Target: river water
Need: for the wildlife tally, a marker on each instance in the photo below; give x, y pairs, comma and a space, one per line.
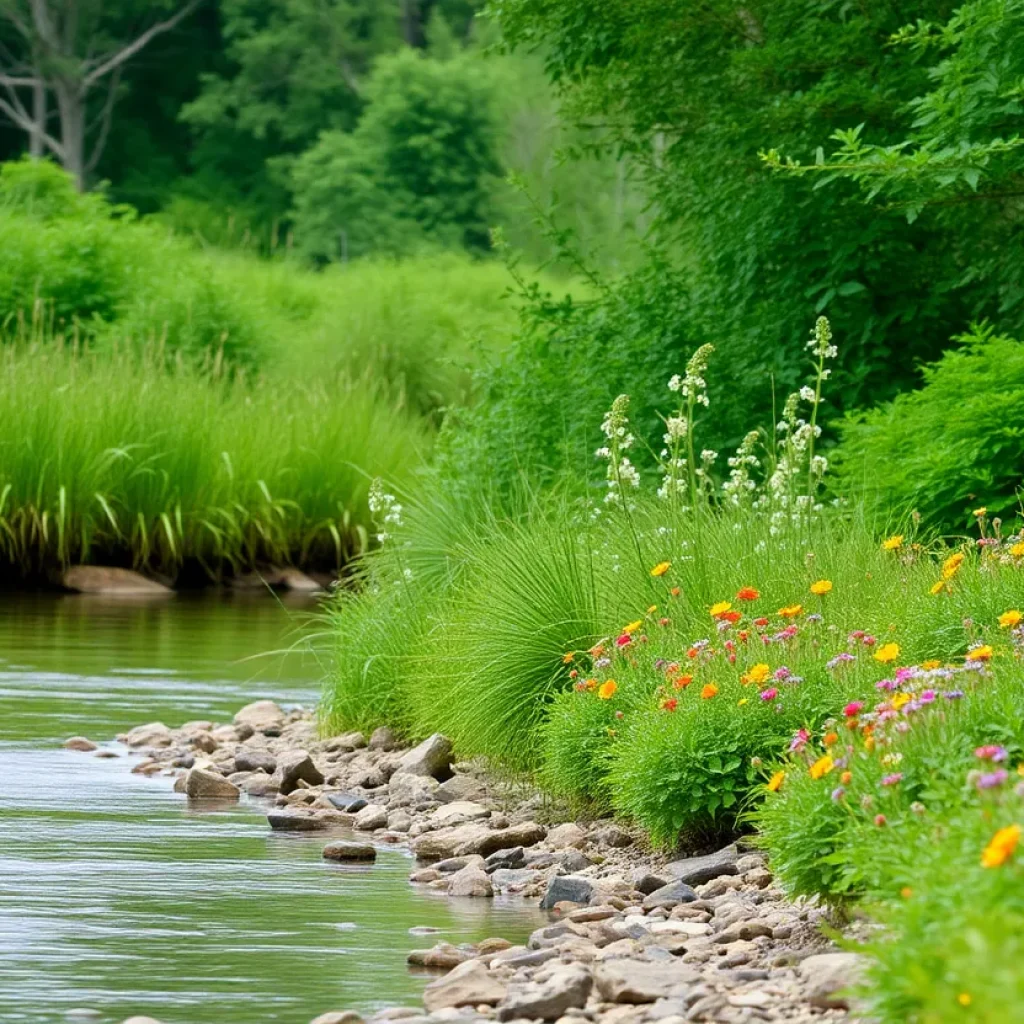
116, 897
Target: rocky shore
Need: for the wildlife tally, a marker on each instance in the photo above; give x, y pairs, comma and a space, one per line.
633, 937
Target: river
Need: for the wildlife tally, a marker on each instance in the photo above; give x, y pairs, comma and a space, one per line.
115, 897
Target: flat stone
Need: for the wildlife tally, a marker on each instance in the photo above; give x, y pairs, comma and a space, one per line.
645, 882
444, 843
698, 870
443, 956
290, 820
528, 833
827, 976
338, 1017
573, 888
566, 835
562, 988
461, 787
458, 813
255, 761
351, 802
80, 743
260, 715
514, 857
348, 851
432, 757
743, 931
670, 895
639, 981
513, 880
371, 818
471, 881
153, 734
201, 784
102, 579
297, 766
468, 984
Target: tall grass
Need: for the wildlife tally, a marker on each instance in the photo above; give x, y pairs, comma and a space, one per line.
151, 460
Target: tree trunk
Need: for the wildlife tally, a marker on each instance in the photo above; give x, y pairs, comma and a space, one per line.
36, 146
71, 107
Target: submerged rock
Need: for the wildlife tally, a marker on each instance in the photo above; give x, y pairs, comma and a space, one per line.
102, 579
80, 743
348, 851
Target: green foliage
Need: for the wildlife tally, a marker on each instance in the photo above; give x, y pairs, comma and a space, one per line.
414, 171
954, 444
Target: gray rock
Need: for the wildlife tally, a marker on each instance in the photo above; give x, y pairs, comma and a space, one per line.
743, 931
828, 976
458, 813
80, 743
469, 984
568, 834
259, 784
260, 715
697, 870
351, 802
573, 861
399, 821
201, 784
645, 882
443, 956
384, 738
296, 821
513, 880
554, 991
432, 757
614, 837
527, 833
461, 787
571, 888
405, 788
153, 734
509, 859
470, 881
255, 761
640, 981
297, 766
670, 895
518, 956
452, 864
348, 851
371, 817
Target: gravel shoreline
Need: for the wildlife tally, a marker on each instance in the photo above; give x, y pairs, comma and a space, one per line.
634, 937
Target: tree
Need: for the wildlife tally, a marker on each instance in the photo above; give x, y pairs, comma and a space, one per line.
71, 50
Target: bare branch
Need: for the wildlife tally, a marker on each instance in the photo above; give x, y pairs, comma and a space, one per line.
108, 109
13, 82
26, 124
126, 52
44, 25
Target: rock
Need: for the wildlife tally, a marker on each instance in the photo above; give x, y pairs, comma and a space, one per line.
432, 757
297, 766
697, 870
141, 1020
256, 761
614, 837
259, 784
510, 859
469, 984
444, 956
461, 787
405, 788
399, 821
371, 818
528, 833
573, 861
155, 734
201, 784
743, 930
260, 715
458, 813
495, 945
338, 1017
205, 742
296, 821
351, 802
347, 851
102, 579
470, 881
670, 895
554, 991
384, 738
298, 581
512, 879
444, 843
80, 743
827, 976
106, 753
573, 888
640, 981
567, 835
643, 881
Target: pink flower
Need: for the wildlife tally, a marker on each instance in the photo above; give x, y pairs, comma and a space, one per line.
991, 752
892, 780
770, 694
855, 707
624, 640
880, 820
799, 741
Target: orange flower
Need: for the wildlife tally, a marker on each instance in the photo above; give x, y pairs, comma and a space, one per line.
791, 611
675, 591
1001, 847
982, 653
568, 657
830, 739
846, 778
887, 653
821, 588
906, 892
747, 594
732, 617
682, 682
1010, 619
776, 781
719, 608
709, 691
661, 568
930, 664
951, 565
607, 689
822, 766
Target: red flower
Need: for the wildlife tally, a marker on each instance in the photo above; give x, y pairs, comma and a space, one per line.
670, 704
732, 617
855, 707
761, 622
623, 640
747, 594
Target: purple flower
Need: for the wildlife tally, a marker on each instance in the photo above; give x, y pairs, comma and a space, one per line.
886, 684
992, 752
815, 617
838, 793
990, 780
928, 696
838, 660
893, 779
781, 674
953, 694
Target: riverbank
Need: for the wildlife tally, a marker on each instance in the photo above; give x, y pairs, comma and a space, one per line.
633, 936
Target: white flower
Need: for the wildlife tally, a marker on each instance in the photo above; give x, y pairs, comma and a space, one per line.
807, 394
675, 383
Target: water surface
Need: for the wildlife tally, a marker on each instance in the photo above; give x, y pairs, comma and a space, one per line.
115, 896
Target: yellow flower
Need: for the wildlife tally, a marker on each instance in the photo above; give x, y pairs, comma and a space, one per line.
937, 588
900, 699
952, 564
1017, 550
758, 673
742, 701
661, 568
887, 653
791, 611
607, 689
930, 664
821, 588
632, 627
822, 766
776, 781
651, 609
983, 653
720, 608
709, 691
906, 892
964, 999
979, 512
1010, 619
567, 657
893, 543
1001, 847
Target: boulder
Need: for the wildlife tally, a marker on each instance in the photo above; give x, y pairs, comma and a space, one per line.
469, 984
201, 784
443, 956
348, 851
613, 836
472, 880
432, 758
445, 842
102, 579
404, 788
670, 895
298, 581
528, 833
205, 742
80, 743
347, 742
255, 761
371, 818
290, 820
153, 734
461, 787
399, 821
510, 859
458, 813
567, 835
260, 715
383, 738
513, 879
645, 882
555, 990
698, 870
827, 977
296, 766
259, 784
574, 860
571, 888
641, 981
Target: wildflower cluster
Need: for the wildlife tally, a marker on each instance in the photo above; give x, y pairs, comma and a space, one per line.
621, 472
384, 509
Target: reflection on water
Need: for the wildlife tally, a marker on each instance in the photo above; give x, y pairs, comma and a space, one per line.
115, 896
